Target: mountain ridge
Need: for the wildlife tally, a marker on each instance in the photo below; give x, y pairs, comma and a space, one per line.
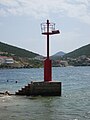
4, 47
84, 50
60, 53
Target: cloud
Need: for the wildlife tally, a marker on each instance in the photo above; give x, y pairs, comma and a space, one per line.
79, 9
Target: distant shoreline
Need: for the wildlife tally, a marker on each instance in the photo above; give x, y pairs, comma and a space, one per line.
41, 67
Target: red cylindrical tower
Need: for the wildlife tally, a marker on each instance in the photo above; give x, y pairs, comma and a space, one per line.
47, 70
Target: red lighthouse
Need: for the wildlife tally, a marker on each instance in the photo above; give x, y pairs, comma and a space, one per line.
48, 29
46, 87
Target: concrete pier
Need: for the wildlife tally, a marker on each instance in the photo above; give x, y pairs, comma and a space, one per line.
41, 88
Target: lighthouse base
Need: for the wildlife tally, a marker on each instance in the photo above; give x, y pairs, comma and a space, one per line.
42, 89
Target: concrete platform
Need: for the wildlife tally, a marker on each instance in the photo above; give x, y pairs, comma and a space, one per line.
41, 88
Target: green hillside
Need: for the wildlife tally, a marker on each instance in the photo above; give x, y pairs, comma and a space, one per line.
16, 51
85, 50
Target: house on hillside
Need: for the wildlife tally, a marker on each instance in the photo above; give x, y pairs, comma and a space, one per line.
3, 53
6, 60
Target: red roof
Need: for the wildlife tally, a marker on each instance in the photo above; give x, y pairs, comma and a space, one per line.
4, 57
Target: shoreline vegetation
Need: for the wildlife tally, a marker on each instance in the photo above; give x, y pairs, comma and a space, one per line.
39, 64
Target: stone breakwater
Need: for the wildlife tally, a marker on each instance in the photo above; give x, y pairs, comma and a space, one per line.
41, 88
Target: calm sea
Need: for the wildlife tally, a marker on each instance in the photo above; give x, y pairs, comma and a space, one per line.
74, 104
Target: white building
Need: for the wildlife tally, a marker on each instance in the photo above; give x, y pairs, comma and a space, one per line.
6, 60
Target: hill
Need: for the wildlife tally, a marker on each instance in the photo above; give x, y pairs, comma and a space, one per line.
78, 57
58, 55
85, 50
16, 51
14, 57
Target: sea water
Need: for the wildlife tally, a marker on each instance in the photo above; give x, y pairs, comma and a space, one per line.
74, 104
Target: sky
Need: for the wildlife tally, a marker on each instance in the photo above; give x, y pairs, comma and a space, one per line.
20, 24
